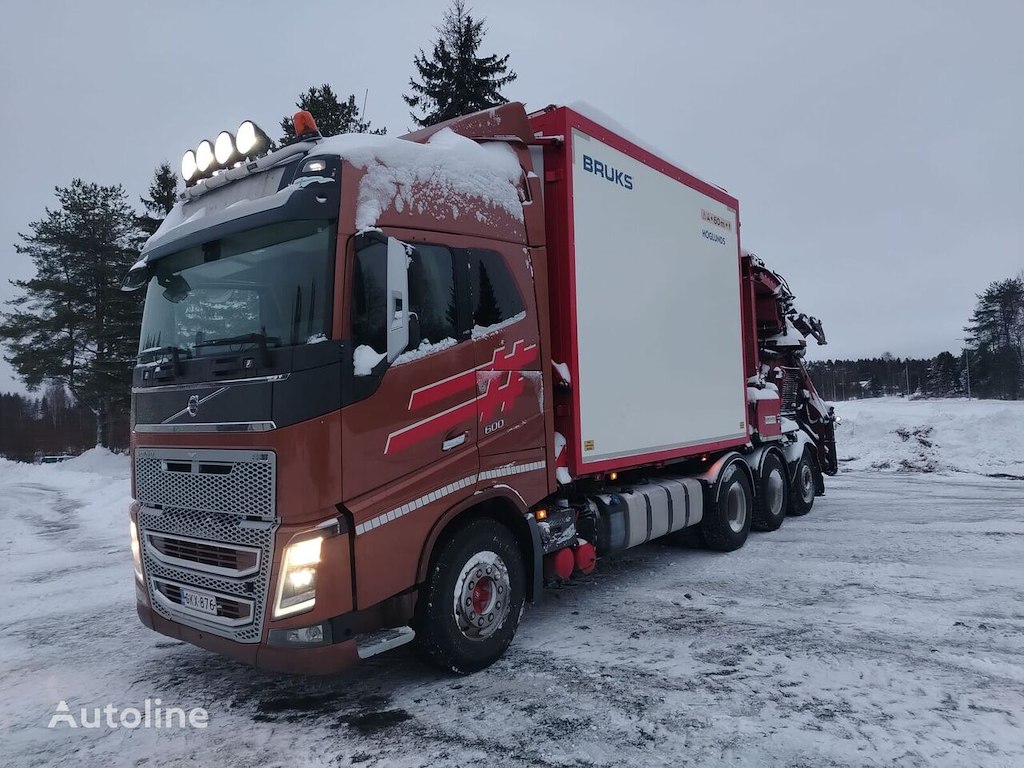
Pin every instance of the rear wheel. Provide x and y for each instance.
(772, 499)
(804, 487)
(727, 519)
(469, 607)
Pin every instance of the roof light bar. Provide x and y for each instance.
(226, 151)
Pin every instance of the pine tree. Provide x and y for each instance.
(454, 80)
(333, 117)
(72, 324)
(997, 331)
(163, 194)
(942, 376)
(487, 312)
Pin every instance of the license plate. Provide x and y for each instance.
(199, 602)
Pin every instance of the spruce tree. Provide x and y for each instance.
(455, 81)
(72, 324)
(163, 194)
(997, 331)
(333, 117)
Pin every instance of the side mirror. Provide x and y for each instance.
(176, 288)
(397, 299)
(137, 277)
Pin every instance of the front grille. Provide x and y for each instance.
(236, 482)
(199, 532)
(230, 611)
(215, 557)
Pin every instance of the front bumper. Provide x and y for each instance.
(305, 660)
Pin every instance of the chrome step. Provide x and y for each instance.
(373, 643)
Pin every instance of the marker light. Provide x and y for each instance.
(189, 169)
(224, 149)
(204, 156)
(250, 140)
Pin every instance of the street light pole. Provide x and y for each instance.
(967, 357)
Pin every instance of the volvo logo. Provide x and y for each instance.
(193, 405)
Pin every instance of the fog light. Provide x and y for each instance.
(317, 634)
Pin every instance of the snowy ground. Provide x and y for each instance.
(887, 627)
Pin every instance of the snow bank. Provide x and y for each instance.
(892, 434)
(98, 461)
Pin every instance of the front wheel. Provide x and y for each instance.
(804, 488)
(469, 607)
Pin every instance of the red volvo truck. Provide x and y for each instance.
(389, 387)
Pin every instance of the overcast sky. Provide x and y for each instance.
(876, 148)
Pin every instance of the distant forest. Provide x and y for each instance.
(49, 425)
(942, 376)
(992, 366)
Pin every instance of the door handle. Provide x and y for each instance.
(454, 442)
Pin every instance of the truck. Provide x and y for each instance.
(389, 388)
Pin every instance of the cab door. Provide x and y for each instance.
(409, 448)
(505, 337)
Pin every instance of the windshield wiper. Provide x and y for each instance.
(151, 354)
(259, 339)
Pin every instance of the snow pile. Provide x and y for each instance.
(425, 348)
(365, 359)
(892, 434)
(98, 461)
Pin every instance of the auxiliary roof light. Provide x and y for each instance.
(204, 157)
(250, 140)
(189, 168)
(224, 149)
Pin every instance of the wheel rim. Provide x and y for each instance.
(736, 508)
(481, 596)
(776, 485)
(806, 483)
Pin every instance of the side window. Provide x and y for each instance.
(432, 293)
(494, 298)
(369, 307)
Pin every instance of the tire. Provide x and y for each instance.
(801, 497)
(469, 607)
(771, 502)
(729, 511)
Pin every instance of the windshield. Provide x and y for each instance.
(270, 285)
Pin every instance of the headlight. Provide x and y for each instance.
(296, 586)
(136, 551)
